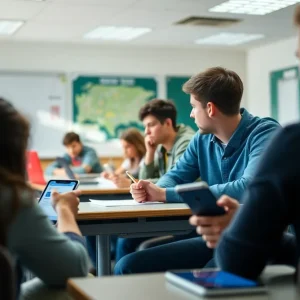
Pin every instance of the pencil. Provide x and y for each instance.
(131, 177)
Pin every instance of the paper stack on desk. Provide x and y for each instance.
(111, 203)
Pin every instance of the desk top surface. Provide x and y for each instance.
(154, 286)
(90, 211)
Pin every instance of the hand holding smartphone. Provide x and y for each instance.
(60, 186)
(200, 199)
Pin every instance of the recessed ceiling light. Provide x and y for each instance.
(116, 33)
(229, 39)
(8, 27)
(252, 7)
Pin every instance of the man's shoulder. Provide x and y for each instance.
(199, 140)
(258, 125)
(87, 149)
(185, 133)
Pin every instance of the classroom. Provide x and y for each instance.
(149, 149)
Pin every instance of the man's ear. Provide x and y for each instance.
(211, 109)
(168, 122)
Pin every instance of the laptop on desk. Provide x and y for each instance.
(34, 169)
(83, 178)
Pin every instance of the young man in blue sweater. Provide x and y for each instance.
(224, 153)
(256, 235)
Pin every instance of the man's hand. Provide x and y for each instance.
(150, 145)
(68, 200)
(150, 150)
(146, 191)
(120, 181)
(211, 228)
(105, 174)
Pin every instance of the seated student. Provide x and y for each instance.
(134, 150)
(83, 159)
(270, 204)
(165, 142)
(224, 153)
(25, 230)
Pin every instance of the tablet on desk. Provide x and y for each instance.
(214, 282)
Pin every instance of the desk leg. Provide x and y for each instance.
(103, 255)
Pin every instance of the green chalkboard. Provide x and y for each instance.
(110, 104)
(181, 100)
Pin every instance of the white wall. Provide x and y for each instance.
(91, 59)
(260, 62)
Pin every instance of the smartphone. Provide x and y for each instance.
(61, 186)
(214, 282)
(199, 198)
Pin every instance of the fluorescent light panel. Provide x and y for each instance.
(8, 27)
(252, 7)
(229, 39)
(116, 33)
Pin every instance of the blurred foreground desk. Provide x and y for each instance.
(130, 221)
(279, 280)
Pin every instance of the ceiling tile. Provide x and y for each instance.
(23, 10)
(56, 31)
(153, 19)
(76, 13)
(69, 20)
(122, 3)
(191, 6)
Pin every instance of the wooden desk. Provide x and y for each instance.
(154, 286)
(94, 191)
(90, 211)
(130, 221)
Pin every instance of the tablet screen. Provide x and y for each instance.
(216, 279)
(60, 187)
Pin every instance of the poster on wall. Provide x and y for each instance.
(285, 91)
(105, 106)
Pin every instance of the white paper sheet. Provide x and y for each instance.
(112, 203)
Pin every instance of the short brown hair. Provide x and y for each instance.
(160, 109)
(297, 15)
(71, 137)
(218, 85)
(134, 137)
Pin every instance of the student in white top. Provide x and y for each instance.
(134, 150)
